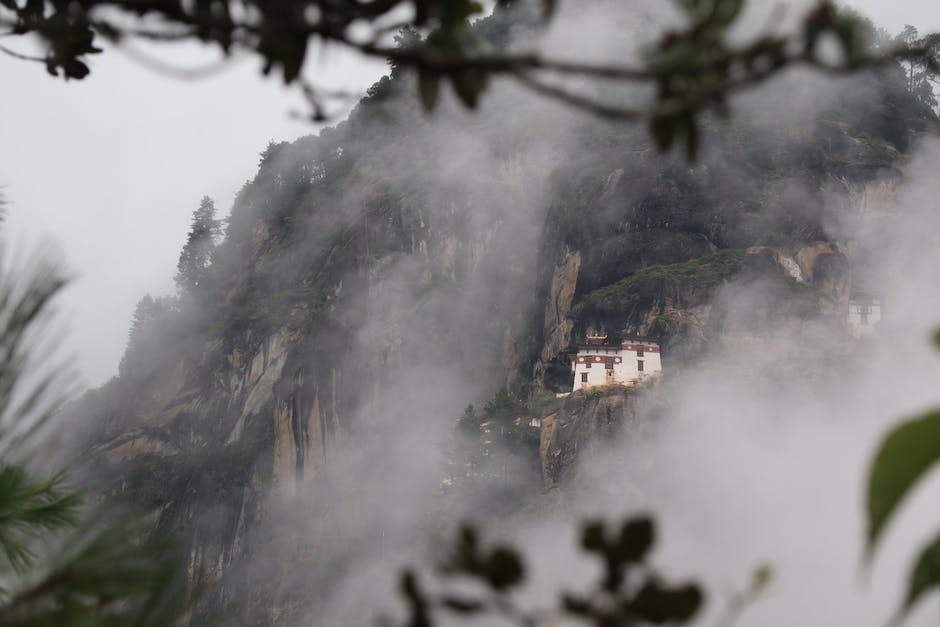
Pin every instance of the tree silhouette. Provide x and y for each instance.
(197, 251)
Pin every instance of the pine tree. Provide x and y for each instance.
(920, 77)
(200, 245)
(61, 563)
(146, 335)
(468, 445)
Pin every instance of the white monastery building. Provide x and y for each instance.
(864, 314)
(597, 363)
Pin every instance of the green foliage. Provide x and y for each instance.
(908, 452)
(102, 577)
(60, 565)
(200, 471)
(469, 423)
(28, 510)
(542, 401)
(925, 576)
(920, 75)
(654, 282)
(903, 458)
(193, 265)
(629, 592)
(149, 336)
(503, 408)
(25, 409)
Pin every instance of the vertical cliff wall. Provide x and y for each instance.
(376, 279)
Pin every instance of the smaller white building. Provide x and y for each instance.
(633, 360)
(864, 314)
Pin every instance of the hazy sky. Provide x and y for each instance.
(111, 168)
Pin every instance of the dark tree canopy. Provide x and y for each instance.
(200, 244)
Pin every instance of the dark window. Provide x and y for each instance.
(584, 377)
(639, 365)
(639, 351)
(609, 363)
(587, 362)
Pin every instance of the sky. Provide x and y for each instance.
(109, 170)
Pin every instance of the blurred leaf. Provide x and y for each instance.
(73, 68)
(905, 455)
(461, 606)
(664, 130)
(428, 88)
(689, 127)
(675, 55)
(417, 604)
(549, 7)
(636, 539)
(576, 605)
(659, 604)
(847, 29)
(469, 85)
(592, 536)
(925, 576)
(936, 338)
(693, 7)
(504, 568)
(762, 577)
(725, 12)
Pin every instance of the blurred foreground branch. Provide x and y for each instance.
(629, 591)
(61, 563)
(691, 70)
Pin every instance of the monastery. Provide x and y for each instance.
(864, 314)
(598, 363)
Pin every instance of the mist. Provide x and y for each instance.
(755, 453)
(755, 450)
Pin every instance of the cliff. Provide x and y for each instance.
(377, 278)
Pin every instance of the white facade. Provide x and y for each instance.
(632, 361)
(864, 314)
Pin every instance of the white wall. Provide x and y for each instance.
(590, 361)
(859, 327)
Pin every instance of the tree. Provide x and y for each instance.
(144, 339)
(61, 562)
(503, 409)
(920, 77)
(197, 251)
(692, 69)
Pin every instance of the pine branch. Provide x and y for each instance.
(29, 509)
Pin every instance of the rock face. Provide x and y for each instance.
(378, 278)
(557, 323)
(583, 419)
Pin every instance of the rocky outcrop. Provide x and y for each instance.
(399, 266)
(584, 419)
(557, 323)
